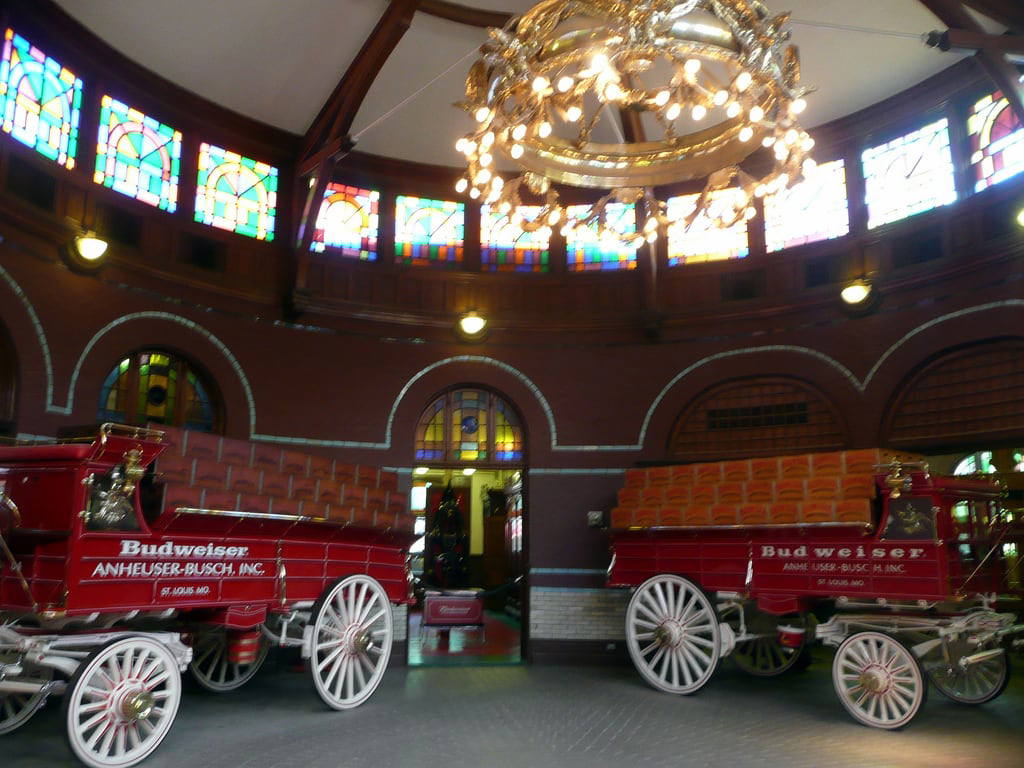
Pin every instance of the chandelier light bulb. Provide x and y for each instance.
(692, 66)
(485, 159)
(733, 109)
(756, 113)
(673, 112)
(566, 230)
(519, 132)
(482, 177)
(661, 98)
(798, 106)
(573, 113)
(612, 92)
(565, 83)
(599, 62)
(460, 145)
(743, 81)
(461, 185)
(746, 133)
(554, 216)
(469, 148)
(474, 193)
(781, 152)
(809, 166)
(721, 97)
(699, 112)
(505, 207)
(487, 139)
(651, 224)
(783, 180)
(760, 190)
(808, 144)
(768, 141)
(651, 236)
(540, 84)
(749, 213)
(482, 114)
(516, 151)
(497, 182)
(791, 136)
(544, 129)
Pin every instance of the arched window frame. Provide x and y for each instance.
(183, 367)
(440, 453)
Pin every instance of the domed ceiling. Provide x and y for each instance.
(278, 62)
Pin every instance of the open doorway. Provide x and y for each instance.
(467, 493)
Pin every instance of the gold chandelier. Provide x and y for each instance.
(716, 78)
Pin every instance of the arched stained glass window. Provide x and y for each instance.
(348, 221)
(813, 210)
(586, 251)
(137, 155)
(981, 463)
(705, 240)
(910, 174)
(997, 140)
(39, 100)
(154, 386)
(506, 247)
(236, 193)
(428, 231)
(469, 426)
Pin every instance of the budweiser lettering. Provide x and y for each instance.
(859, 552)
(135, 548)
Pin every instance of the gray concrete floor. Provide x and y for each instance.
(547, 717)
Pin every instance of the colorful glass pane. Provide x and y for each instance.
(39, 100)
(236, 193)
(587, 251)
(508, 437)
(469, 426)
(704, 240)
(428, 231)
(154, 386)
(506, 247)
(430, 432)
(137, 155)
(114, 394)
(348, 221)
(997, 141)
(813, 210)
(908, 175)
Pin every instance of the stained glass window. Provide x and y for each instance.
(587, 251)
(981, 462)
(154, 386)
(428, 231)
(997, 141)
(39, 100)
(506, 247)
(469, 425)
(236, 193)
(813, 210)
(137, 155)
(910, 174)
(705, 240)
(348, 221)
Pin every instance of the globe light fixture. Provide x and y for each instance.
(717, 77)
(90, 248)
(856, 292)
(472, 325)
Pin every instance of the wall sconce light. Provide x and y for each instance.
(468, 471)
(472, 326)
(1020, 217)
(85, 252)
(856, 292)
(420, 470)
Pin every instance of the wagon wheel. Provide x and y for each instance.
(213, 670)
(878, 680)
(765, 656)
(673, 635)
(17, 708)
(351, 641)
(974, 684)
(121, 702)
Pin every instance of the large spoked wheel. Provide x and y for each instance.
(673, 635)
(974, 684)
(17, 708)
(878, 680)
(121, 702)
(765, 655)
(213, 670)
(351, 641)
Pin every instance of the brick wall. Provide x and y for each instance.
(558, 613)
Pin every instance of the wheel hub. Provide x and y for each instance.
(669, 633)
(357, 640)
(137, 705)
(875, 679)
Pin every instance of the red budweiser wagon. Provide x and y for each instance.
(901, 570)
(127, 560)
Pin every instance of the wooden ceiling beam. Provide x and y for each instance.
(1009, 13)
(1005, 75)
(965, 40)
(338, 112)
(463, 14)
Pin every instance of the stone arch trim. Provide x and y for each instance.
(191, 325)
(37, 327)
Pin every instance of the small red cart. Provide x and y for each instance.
(112, 582)
(902, 571)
